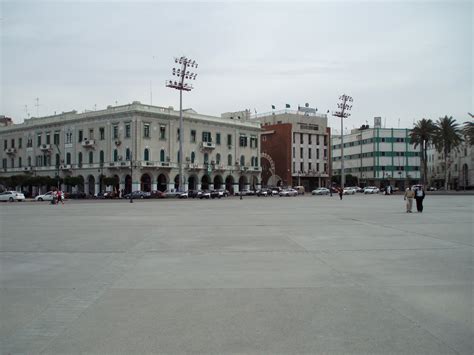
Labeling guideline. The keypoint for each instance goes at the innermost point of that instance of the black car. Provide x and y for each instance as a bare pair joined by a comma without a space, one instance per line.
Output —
193,193
138,194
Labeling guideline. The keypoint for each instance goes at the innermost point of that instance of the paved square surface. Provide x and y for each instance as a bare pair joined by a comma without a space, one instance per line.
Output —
275,275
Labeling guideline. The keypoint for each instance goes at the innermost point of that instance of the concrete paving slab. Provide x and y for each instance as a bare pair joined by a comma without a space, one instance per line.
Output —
252,321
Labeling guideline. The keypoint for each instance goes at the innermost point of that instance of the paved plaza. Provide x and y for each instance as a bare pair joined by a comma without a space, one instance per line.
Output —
275,275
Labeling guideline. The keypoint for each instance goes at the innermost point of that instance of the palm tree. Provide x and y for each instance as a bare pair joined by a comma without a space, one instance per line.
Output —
468,131
422,134
447,137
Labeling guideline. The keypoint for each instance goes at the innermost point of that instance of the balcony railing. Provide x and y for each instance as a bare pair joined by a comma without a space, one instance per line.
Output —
208,145
45,147
88,143
10,151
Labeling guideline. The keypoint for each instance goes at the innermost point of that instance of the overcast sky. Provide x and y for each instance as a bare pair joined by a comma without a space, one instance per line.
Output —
400,60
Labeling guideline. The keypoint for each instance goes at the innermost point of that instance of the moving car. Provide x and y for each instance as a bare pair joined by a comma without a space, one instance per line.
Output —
48,196
12,196
320,191
288,193
371,190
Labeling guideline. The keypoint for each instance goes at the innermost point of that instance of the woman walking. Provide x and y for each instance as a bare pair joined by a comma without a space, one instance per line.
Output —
419,197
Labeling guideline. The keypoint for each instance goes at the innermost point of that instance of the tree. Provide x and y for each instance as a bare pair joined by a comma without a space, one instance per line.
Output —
447,137
468,131
422,134
110,181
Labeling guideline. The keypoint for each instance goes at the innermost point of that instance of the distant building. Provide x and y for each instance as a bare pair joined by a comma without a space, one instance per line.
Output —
219,152
295,149
378,156
460,166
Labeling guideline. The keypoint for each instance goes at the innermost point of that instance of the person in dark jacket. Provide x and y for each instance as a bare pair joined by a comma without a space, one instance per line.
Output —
419,196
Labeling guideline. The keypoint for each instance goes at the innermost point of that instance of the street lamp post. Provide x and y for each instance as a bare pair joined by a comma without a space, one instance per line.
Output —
131,177
343,107
182,73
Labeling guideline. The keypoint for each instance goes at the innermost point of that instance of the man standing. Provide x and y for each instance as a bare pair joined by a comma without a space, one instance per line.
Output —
409,194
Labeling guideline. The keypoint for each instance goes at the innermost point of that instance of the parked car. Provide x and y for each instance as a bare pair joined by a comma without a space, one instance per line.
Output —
359,189
320,191
182,194
371,190
72,195
264,192
219,193
288,193
349,191
138,195
157,194
172,193
275,191
299,189
193,193
204,194
432,188
12,196
48,196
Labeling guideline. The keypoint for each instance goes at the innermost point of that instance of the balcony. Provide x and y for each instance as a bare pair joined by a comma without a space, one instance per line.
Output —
28,169
46,148
67,167
88,143
208,145
10,151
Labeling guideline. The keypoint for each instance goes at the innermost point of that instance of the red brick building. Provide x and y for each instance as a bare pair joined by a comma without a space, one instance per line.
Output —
295,150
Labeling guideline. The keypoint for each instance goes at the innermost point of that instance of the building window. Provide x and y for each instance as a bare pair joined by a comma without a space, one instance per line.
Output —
146,130
20,142
48,138
206,158
68,158
5,144
242,160
29,161
309,139
162,155
206,137
193,136
115,155
68,137
294,155
57,160
309,153
317,139
229,160
229,141
19,162
193,157
218,158
127,154
294,166
301,153
91,157
4,163
115,131
243,140
162,132
13,162
102,133
309,166
80,136
301,138
13,142
146,154
38,140
218,138
91,133
79,159
301,167
128,127
56,137
178,157
101,156
317,167
253,142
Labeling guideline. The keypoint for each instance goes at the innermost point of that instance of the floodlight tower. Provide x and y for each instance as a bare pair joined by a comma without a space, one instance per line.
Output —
343,107
182,73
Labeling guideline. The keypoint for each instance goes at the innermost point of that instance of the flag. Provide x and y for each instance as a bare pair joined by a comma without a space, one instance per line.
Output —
287,105
273,107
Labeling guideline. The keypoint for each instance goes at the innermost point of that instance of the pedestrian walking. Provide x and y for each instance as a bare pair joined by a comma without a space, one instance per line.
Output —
419,197
60,197
341,192
409,195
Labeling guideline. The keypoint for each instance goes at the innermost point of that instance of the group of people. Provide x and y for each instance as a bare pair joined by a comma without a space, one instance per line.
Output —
58,197
417,193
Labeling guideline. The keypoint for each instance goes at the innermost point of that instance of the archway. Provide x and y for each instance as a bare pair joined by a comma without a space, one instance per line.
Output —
80,185
465,176
117,185
205,180
145,183
192,182
176,182
269,177
217,182
242,182
253,182
162,183
229,184
91,183
128,184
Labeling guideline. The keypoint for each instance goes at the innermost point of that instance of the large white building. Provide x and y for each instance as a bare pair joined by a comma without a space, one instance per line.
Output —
378,156
218,151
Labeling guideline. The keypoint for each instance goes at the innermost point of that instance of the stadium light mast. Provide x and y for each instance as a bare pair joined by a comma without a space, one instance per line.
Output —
182,73
343,107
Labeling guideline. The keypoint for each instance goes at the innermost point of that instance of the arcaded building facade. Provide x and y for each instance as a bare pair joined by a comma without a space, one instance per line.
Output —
138,145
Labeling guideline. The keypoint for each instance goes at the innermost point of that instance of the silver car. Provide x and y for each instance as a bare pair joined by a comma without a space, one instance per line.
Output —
320,191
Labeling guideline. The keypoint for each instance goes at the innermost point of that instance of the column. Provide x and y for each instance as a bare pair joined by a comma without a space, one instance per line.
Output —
211,187
186,186
97,188
259,186
198,186
154,185
236,188
171,186
135,186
